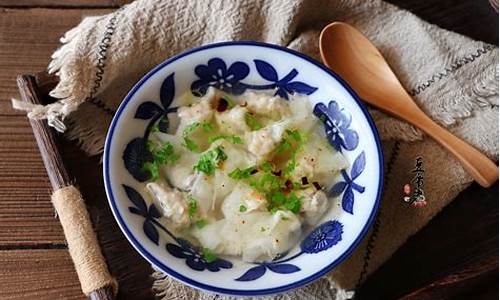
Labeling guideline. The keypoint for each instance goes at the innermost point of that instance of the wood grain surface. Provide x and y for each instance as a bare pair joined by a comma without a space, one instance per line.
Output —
27,39
34,261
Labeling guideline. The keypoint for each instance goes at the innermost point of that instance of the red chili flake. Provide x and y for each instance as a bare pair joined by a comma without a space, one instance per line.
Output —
288,186
222,105
304,180
276,173
316,185
407,189
420,203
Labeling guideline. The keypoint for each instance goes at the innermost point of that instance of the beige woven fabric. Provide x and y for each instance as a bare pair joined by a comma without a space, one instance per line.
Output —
83,247
454,80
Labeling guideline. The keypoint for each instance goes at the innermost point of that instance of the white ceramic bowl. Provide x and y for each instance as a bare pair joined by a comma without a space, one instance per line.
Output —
236,67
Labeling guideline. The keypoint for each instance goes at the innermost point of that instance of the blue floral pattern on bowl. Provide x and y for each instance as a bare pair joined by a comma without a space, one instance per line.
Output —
337,125
236,77
216,74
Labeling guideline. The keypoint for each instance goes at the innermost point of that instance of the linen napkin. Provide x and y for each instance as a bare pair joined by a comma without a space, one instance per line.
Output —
453,79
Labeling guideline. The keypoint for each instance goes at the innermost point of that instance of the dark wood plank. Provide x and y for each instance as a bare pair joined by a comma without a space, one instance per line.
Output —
64,3
26,214
461,282
461,242
473,18
38,274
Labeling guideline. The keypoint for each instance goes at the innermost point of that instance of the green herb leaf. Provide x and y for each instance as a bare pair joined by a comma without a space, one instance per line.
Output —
234,139
192,207
279,200
243,208
207,127
200,223
190,145
161,155
190,128
293,203
290,166
283,146
252,122
153,169
230,101
237,174
155,128
208,255
267,166
210,160
295,134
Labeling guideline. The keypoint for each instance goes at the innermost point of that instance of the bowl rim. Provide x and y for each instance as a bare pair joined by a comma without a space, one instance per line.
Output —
237,292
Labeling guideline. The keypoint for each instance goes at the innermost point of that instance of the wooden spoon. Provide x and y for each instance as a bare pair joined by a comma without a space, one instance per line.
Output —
351,55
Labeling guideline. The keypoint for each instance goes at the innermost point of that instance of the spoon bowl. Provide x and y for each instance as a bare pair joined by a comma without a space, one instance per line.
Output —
350,54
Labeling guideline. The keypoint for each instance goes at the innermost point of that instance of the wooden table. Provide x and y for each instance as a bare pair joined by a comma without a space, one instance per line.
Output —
456,255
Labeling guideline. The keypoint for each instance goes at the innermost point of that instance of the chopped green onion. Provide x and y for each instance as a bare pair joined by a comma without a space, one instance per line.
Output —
210,160
192,207
252,122
243,208
201,223
234,139
208,255
293,203
155,128
279,200
283,146
153,169
189,143
161,155
237,174
207,127
267,166
230,102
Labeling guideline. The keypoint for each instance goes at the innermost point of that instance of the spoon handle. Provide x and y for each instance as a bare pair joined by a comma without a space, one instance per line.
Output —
480,167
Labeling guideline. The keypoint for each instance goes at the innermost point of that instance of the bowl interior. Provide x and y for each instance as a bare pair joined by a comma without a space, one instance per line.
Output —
236,67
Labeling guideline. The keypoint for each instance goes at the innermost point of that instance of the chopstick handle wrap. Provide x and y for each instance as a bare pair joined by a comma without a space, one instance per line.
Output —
95,279
82,242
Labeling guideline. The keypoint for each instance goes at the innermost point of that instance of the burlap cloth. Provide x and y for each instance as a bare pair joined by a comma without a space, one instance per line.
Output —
453,78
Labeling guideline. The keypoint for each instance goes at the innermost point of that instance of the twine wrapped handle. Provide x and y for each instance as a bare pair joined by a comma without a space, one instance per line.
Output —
95,279
82,242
